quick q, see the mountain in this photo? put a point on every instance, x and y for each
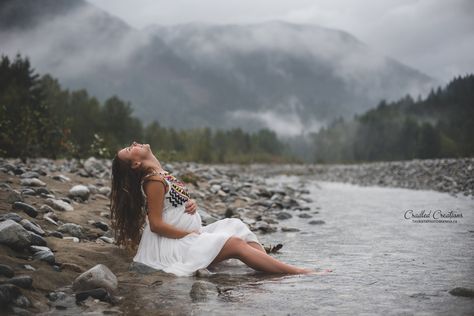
(289, 77)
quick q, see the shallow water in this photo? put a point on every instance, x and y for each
(382, 263)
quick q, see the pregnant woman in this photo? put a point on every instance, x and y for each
(172, 238)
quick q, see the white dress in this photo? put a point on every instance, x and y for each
(183, 256)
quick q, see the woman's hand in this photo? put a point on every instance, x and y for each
(191, 206)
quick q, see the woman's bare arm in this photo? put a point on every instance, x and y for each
(155, 191)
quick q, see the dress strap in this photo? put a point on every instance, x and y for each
(154, 173)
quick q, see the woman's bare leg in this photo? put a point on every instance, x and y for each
(238, 248)
(257, 246)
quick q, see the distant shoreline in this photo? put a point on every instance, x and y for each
(450, 175)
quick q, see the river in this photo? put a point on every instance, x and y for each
(383, 263)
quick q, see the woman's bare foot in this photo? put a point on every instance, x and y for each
(312, 271)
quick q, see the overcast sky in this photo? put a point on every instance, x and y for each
(434, 36)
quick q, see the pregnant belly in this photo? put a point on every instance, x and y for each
(181, 219)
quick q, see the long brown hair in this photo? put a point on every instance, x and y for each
(126, 203)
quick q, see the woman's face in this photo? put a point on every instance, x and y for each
(135, 153)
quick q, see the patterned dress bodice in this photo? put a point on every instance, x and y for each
(177, 194)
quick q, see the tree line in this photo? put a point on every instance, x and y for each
(38, 118)
(438, 126)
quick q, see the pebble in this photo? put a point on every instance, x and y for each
(317, 222)
(6, 270)
(14, 196)
(43, 253)
(61, 178)
(284, 215)
(28, 209)
(101, 225)
(73, 239)
(13, 216)
(37, 240)
(72, 229)
(32, 227)
(59, 205)
(80, 192)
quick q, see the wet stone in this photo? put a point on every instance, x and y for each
(317, 222)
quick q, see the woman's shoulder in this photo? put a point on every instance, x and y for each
(155, 177)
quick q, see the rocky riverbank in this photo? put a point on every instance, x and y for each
(454, 176)
(56, 246)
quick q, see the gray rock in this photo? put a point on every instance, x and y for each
(6, 270)
(203, 290)
(4, 185)
(101, 225)
(22, 301)
(462, 291)
(32, 227)
(8, 293)
(79, 191)
(283, 215)
(105, 191)
(49, 219)
(96, 277)
(29, 174)
(264, 227)
(59, 205)
(54, 296)
(317, 222)
(37, 240)
(61, 178)
(289, 229)
(32, 182)
(100, 294)
(93, 166)
(304, 215)
(45, 255)
(13, 216)
(28, 267)
(72, 229)
(28, 209)
(14, 235)
(215, 188)
(107, 239)
(23, 281)
(14, 196)
(46, 209)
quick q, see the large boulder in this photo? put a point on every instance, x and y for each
(14, 235)
(96, 277)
